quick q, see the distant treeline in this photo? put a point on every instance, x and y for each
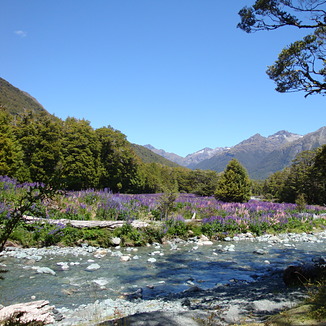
(72, 155)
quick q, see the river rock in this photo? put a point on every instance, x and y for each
(101, 282)
(44, 270)
(138, 294)
(260, 252)
(300, 274)
(93, 267)
(64, 265)
(28, 312)
(230, 248)
(116, 241)
(125, 258)
(151, 260)
(204, 242)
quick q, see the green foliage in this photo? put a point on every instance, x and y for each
(317, 301)
(234, 184)
(203, 182)
(40, 138)
(301, 202)
(305, 177)
(130, 236)
(166, 203)
(118, 162)
(301, 66)
(11, 154)
(176, 227)
(318, 176)
(274, 184)
(79, 168)
(25, 201)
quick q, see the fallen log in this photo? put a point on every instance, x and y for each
(84, 224)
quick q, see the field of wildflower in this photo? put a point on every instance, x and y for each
(170, 215)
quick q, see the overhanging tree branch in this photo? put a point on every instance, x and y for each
(302, 65)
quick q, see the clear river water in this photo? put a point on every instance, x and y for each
(173, 271)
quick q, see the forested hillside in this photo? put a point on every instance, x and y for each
(17, 101)
(148, 156)
(37, 147)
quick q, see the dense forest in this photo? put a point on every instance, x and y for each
(72, 155)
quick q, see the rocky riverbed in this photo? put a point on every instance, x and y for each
(234, 280)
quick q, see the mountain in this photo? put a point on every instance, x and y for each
(169, 156)
(148, 156)
(262, 156)
(191, 160)
(16, 101)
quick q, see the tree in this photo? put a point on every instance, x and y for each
(234, 184)
(80, 163)
(46, 153)
(299, 181)
(318, 176)
(274, 184)
(302, 65)
(119, 165)
(11, 154)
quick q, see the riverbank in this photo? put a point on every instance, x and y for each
(232, 281)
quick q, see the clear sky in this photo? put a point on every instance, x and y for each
(176, 74)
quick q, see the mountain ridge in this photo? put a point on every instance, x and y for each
(260, 155)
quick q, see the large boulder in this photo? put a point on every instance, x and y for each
(35, 311)
(301, 274)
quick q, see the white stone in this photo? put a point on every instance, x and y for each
(101, 282)
(64, 266)
(125, 258)
(93, 267)
(116, 241)
(44, 270)
(205, 243)
(151, 260)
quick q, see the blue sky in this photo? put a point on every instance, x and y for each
(176, 74)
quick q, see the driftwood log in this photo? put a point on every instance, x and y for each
(84, 224)
(80, 224)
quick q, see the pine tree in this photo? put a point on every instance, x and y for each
(234, 184)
